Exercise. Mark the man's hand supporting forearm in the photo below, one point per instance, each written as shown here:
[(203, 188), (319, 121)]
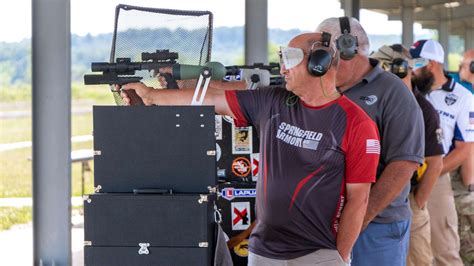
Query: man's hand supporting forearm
[(357, 196), (394, 178), (433, 170)]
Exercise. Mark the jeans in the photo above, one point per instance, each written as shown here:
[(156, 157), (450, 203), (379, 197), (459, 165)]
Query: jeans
[(322, 257), (382, 245)]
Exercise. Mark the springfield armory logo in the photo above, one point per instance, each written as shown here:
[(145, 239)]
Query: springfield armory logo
[(298, 137)]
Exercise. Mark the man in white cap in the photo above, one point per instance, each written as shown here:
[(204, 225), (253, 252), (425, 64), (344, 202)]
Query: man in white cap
[(453, 103)]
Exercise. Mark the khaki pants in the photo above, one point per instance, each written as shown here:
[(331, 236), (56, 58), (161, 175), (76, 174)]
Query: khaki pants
[(465, 207), (322, 257), (444, 224), (419, 253)]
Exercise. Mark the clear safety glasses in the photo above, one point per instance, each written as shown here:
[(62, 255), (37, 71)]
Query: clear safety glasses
[(290, 56)]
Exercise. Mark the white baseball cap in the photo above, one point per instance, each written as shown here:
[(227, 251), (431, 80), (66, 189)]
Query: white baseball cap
[(428, 49)]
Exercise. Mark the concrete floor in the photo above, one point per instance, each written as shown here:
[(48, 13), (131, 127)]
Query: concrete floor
[(16, 244)]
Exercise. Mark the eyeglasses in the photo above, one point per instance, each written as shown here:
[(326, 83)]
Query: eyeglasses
[(290, 56), (419, 63)]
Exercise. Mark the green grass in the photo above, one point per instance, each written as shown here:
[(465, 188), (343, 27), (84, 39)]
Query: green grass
[(16, 173), (15, 130), (11, 216), (100, 94), (15, 168), (15, 93)]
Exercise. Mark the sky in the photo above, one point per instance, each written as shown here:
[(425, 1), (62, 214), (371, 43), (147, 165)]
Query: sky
[(97, 16)]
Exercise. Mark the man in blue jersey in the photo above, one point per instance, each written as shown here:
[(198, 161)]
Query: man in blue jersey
[(454, 104), (318, 156)]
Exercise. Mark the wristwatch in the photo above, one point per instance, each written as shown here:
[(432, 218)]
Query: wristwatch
[(470, 188)]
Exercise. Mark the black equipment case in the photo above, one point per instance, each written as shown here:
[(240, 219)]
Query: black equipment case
[(149, 229), (154, 147)]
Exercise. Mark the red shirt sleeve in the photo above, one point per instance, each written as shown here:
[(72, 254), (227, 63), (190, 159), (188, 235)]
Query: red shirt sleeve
[(239, 118), (362, 144)]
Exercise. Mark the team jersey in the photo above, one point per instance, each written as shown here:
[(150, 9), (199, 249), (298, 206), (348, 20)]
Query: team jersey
[(433, 131), (433, 135), (455, 106), (307, 156)]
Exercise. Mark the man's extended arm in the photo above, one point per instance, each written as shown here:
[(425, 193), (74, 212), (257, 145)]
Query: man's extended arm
[(390, 184), (152, 96), (357, 196), (433, 170), (455, 157)]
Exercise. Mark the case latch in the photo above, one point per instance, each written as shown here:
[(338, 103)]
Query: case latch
[(143, 248), (97, 189), (202, 199), (86, 198), (203, 244), (212, 190)]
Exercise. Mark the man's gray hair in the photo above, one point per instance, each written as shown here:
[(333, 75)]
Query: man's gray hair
[(332, 26)]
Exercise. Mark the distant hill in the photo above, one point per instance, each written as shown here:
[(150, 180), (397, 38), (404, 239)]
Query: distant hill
[(228, 48)]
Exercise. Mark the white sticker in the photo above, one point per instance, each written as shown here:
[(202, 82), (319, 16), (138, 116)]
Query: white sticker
[(241, 219), (255, 160), (228, 119), (218, 152), (241, 140), (218, 127)]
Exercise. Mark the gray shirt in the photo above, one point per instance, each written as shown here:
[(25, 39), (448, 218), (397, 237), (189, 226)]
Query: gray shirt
[(399, 119)]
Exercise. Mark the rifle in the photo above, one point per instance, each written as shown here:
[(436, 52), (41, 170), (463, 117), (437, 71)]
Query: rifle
[(123, 70), (273, 68), (258, 73)]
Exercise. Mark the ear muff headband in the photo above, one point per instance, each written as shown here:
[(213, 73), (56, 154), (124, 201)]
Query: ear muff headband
[(397, 48), (320, 59), (346, 43)]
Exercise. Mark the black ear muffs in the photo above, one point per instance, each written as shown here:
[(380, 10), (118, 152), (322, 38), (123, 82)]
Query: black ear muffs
[(320, 59), (471, 67), (399, 67), (346, 43)]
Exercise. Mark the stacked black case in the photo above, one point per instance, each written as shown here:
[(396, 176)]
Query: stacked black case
[(164, 147), (152, 150)]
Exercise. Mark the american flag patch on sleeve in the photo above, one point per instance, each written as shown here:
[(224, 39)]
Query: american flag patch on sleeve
[(373, 146), (471, 118)]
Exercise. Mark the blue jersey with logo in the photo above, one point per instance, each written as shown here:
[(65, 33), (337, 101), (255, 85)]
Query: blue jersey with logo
[(455, 106)]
